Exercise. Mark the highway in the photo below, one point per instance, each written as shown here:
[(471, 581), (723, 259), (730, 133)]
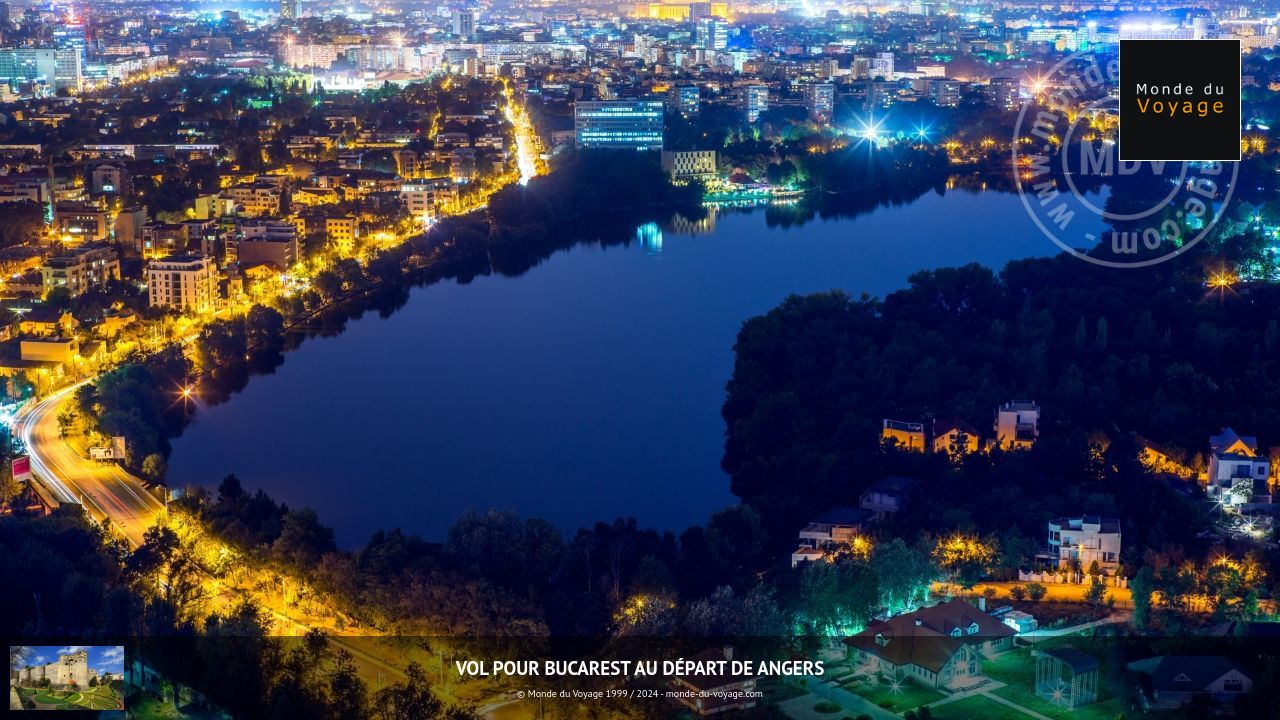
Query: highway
[(111, 496)]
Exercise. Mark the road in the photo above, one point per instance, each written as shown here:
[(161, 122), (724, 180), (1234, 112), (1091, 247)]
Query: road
[(122, 503), (111, 496)]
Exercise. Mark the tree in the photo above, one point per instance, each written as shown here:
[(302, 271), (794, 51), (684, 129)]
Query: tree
[(1097, 593), (903, 575), (9, 488), (348, 694), (154, 467), (303, 540), (20, 222), (409, 700), (1036, 591), (1141, 587), (966, 557)]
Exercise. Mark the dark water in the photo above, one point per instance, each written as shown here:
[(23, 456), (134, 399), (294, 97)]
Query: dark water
[(586, 389)]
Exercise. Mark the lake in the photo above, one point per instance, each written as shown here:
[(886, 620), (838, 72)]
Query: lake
[(586, 389)]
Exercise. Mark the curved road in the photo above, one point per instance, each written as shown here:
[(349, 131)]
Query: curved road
[(110, 495), (123, 504)]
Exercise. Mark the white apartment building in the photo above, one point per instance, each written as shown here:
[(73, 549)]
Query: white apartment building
[(184, 282)]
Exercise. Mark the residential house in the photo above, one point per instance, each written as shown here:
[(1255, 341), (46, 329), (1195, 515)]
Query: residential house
[(1237, 471), (841, 526), (955, 435), (1171, 681), (710, 694), (907, 435), (1086, 540), (47, 321), (940, 647), (888, 495), (1017, 425), (114, 322)]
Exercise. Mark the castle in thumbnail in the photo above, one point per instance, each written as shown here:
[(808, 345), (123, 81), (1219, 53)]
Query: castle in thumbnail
[(67, 670)]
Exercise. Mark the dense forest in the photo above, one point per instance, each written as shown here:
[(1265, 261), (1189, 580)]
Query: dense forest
[(1106, 354)]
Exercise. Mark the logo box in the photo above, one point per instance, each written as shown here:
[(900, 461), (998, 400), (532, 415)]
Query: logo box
[(1180, 100)]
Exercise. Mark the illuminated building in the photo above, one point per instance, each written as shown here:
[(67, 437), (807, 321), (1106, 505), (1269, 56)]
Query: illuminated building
[(690, 164), (1003, 92), (264, 241), (907, 435), (342, 231), (69, 69), (1082, 541), (1237, 472), (80, 221), (463, 24), (944, 92), (33, 67), (938, 647), (755, 100), (1017, 425), (713, 34), (820, 101), (882, 65), (110, 180), (290, 9), (618, 124), (182, 282), (679, 12), (79, 270), (684, 100), (839, 527)]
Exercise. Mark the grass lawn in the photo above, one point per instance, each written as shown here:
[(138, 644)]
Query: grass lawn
[(1017, 669), (145, 707), (907, 696), (977, 707), (99, 698)]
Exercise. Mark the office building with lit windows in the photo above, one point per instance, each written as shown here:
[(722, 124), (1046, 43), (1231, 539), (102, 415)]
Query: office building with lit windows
[(618, 124)]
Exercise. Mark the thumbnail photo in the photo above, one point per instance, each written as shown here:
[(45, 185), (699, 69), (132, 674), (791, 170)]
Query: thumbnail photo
[(70, 677)]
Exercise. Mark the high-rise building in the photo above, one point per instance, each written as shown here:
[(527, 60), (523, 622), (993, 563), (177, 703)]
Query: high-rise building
[(1003, 92), (755, 100), (700, 10), (684, 99), (944, 92), (36, 67), (882, 65), (820, 101), (464, 24), (69, 69), (618, 124), (290, 9), (712, 34)]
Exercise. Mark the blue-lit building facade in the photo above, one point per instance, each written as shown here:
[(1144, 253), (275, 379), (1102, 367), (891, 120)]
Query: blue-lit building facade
[(618, 124)]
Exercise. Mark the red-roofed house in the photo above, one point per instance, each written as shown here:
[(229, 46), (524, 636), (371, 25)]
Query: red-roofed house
[(939, 647)]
